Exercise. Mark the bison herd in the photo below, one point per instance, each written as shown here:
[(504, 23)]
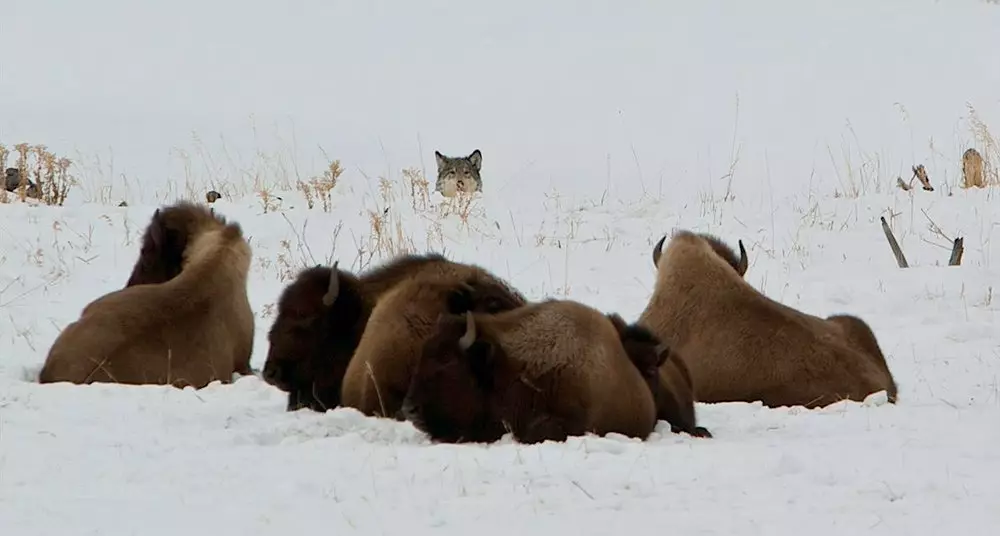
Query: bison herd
[(456, 350)]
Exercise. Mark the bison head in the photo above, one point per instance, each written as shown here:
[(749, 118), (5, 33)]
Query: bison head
[(161, 256), (738, 263), (448, 396), (319, 322)]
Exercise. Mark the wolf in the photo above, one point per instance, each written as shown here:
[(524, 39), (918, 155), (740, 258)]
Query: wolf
[(459, 173)]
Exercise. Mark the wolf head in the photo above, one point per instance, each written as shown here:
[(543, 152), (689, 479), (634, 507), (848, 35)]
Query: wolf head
[(459, 173)]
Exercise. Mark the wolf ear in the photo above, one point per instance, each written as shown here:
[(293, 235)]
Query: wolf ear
[(441, 160), (476, 158)]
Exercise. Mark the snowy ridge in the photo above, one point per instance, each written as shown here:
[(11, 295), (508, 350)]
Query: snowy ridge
[(602, 129)]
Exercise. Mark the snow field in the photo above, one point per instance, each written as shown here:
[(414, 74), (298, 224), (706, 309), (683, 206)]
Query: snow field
[(781, 123)]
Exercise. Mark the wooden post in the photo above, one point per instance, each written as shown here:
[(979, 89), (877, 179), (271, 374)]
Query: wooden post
[(900, 259), (957, 249)]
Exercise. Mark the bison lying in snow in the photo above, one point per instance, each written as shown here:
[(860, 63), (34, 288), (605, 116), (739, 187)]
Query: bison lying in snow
[(321, 320), (544, 371), (743, 346), (666, 374), (193, 329), (379, 373), (170, 230)]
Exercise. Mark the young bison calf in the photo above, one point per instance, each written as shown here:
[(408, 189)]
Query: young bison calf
[(743, 346), (323, 314), (544, 371), (190, 330), (380, 371)]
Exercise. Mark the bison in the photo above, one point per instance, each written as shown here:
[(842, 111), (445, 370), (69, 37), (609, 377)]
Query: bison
[(545, 371), (666, 374), (743, 346), (379, 373), (188, 331), (322, 315), (161, 258)]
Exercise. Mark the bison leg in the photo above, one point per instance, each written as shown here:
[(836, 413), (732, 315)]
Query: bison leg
[(541, 428)]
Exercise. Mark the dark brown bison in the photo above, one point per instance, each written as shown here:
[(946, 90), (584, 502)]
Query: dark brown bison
[(191, 330), (666, 374), (379, 373), (321, 319), (544, 371), (743, 346)]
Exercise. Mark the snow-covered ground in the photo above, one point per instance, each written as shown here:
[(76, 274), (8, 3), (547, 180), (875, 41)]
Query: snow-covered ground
[(602, 126)]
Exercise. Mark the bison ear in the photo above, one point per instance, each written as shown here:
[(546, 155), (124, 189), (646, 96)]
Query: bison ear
[(460, 299), (618, 322), (662, 353), (157, 230), (334, 289)]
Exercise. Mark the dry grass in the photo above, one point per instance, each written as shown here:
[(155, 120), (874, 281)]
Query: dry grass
[(861, 172), (49, 172), (320, 187)]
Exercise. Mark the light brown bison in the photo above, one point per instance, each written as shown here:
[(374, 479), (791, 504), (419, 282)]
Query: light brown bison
[(190, 330), (743, 346), (666, 374), (544, 371), (321, 320), (379, 373), (161, 258)]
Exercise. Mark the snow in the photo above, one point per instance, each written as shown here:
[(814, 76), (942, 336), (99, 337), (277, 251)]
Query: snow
[(603, 126)]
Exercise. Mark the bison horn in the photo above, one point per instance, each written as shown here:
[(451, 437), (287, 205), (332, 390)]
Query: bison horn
[(334, 289), (470, 332), (742, 267), (657, 250)]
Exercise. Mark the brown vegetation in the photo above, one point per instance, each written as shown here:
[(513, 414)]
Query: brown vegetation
[(973, 169)]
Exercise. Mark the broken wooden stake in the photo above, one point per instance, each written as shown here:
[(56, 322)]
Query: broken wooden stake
[(900, 259), (920, 172), (957, 249)]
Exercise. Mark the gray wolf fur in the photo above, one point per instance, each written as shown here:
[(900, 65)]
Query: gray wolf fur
[(460, 173)]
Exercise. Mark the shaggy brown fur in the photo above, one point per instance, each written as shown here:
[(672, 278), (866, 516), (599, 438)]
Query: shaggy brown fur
[(973, 170), (161, 255), (544, 371), (666, 374), (742, 346), (379, 373), (190, 330), (161, 258), (312, 338)]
